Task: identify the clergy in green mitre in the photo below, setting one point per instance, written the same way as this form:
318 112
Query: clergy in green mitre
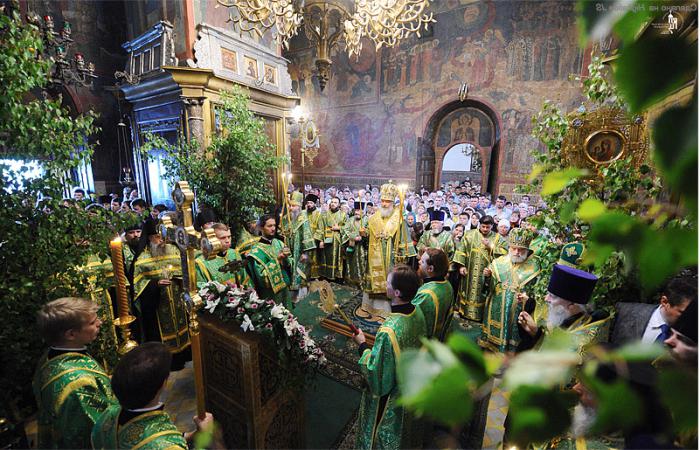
435 296
437 237
354 238
247 237
214 270
139 421
333 221
270 264
299 240
509 278
473 254
572 254
70 387
389 243
383 423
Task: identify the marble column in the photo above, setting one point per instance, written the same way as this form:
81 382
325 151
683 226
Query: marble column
195 118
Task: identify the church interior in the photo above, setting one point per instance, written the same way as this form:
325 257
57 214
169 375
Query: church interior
339 224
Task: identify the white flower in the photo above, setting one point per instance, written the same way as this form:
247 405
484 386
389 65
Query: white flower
278 312
233 302
253 296
203 292
291 325
247 325
219 287
211 305
237 292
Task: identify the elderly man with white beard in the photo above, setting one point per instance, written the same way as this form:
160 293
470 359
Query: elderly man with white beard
508 279
568 296
389 243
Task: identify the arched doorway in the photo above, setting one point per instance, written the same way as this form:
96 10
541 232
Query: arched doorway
461 162
468 122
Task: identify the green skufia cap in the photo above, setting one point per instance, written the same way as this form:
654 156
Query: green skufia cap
571 254
296 198
520 237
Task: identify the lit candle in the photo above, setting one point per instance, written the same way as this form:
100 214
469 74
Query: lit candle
115 247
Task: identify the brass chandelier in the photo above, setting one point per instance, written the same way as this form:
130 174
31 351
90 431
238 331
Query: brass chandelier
384 22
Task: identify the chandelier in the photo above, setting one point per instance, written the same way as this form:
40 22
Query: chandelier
384 22
65 71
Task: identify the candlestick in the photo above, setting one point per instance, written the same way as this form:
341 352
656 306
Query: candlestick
124 319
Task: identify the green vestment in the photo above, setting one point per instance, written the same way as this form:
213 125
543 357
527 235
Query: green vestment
153 430
434 299
475 256
208 270
300 242
356 258
270 277
71 391
389 243
333 249
443 241
245 242
383 424
500 327
315 257
171 313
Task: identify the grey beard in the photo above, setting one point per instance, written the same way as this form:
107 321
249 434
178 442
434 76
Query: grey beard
582 420
437 231
556 315
386 212
295 214
157 250
517 259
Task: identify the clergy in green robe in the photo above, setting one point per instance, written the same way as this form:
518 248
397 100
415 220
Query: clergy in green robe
298 238
474 253
161 313
100 278
383 423
333 221
313 217
510 278
209 269
435 296
247 237
568 294
270 264
354 239
139 420
389 241
70 387
436 236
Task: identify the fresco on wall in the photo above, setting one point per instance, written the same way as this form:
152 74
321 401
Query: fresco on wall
465 125
512 54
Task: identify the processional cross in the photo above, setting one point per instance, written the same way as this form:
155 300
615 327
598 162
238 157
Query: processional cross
187 239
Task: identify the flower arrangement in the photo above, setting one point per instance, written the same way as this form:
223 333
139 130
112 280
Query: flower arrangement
243 306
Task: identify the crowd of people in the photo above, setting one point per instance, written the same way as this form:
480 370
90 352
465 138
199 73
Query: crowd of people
421 263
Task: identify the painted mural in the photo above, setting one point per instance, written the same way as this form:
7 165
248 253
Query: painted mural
512 54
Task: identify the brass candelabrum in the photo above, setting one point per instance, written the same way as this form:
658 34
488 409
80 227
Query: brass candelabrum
66 71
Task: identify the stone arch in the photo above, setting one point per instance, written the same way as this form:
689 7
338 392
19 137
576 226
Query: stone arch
471 121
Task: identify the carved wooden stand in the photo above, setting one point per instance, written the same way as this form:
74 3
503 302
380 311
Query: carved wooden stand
243 390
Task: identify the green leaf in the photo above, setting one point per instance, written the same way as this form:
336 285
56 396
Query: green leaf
637 352
538 414
619 407
535 172
566 212
546 369
555 181
676 149
651 68
679 391
590 209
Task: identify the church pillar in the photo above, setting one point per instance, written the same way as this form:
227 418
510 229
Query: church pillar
195 118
